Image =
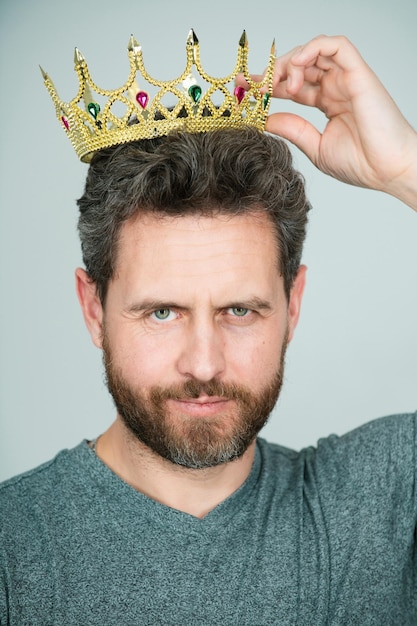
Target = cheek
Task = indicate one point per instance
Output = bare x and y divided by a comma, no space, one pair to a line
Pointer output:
253,359
146,358
268,354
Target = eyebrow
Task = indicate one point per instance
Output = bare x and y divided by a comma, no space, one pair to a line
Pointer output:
152,305
253,302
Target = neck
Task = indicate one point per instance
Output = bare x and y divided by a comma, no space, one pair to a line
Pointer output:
195,492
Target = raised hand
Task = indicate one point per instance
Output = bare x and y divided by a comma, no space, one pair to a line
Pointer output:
367,141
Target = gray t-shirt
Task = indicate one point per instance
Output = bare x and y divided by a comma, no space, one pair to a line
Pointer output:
321,536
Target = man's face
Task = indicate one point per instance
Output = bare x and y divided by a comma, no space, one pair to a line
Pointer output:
194,333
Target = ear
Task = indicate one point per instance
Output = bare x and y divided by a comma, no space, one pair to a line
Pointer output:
90,305
296,296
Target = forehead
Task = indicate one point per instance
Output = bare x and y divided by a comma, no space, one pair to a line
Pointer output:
193,258
200,240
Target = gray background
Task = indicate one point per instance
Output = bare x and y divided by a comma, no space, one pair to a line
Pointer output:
354,354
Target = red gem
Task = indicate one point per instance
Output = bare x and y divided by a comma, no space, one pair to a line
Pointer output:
65,122
142,98
239,93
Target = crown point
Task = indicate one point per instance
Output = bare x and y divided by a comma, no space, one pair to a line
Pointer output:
133,45
44,74
243,41
273,51
192,38
78,57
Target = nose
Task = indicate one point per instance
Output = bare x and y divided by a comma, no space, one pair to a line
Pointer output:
202,355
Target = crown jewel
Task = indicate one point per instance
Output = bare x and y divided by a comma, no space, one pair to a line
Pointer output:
97,118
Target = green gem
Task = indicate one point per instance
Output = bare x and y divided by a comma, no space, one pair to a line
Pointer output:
195,93
265,101
94,109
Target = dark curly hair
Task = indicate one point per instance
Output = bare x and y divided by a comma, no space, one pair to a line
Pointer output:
229,171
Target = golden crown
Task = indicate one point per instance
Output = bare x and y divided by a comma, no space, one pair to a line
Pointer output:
127,114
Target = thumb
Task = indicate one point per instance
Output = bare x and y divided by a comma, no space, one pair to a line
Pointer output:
297,130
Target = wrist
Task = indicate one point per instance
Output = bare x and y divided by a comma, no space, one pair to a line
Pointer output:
404,186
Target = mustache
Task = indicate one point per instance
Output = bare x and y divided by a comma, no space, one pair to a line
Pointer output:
193,389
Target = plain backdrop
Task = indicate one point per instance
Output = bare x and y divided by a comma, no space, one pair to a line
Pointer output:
354,355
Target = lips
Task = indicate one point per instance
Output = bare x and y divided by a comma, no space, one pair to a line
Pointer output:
202,406
204,400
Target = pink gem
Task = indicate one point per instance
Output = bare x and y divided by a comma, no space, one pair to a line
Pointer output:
239,93
65,122
142,98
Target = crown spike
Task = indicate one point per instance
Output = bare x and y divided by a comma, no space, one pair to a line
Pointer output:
44,74
273,51
133,45
243,41
78,57
193,46
192,38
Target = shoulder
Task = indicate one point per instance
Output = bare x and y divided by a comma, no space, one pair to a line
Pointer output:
391,438
388,442
43,473
23,498
373,464
371,469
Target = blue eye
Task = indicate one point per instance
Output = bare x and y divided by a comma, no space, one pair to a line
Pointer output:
163,314
239,311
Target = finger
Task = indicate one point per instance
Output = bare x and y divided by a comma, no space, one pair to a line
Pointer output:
281,63
296,73
298,131
337,48
308,94
295,79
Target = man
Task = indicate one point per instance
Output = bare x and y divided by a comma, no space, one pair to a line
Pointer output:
178,514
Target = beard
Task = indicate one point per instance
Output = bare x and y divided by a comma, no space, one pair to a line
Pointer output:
199,442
